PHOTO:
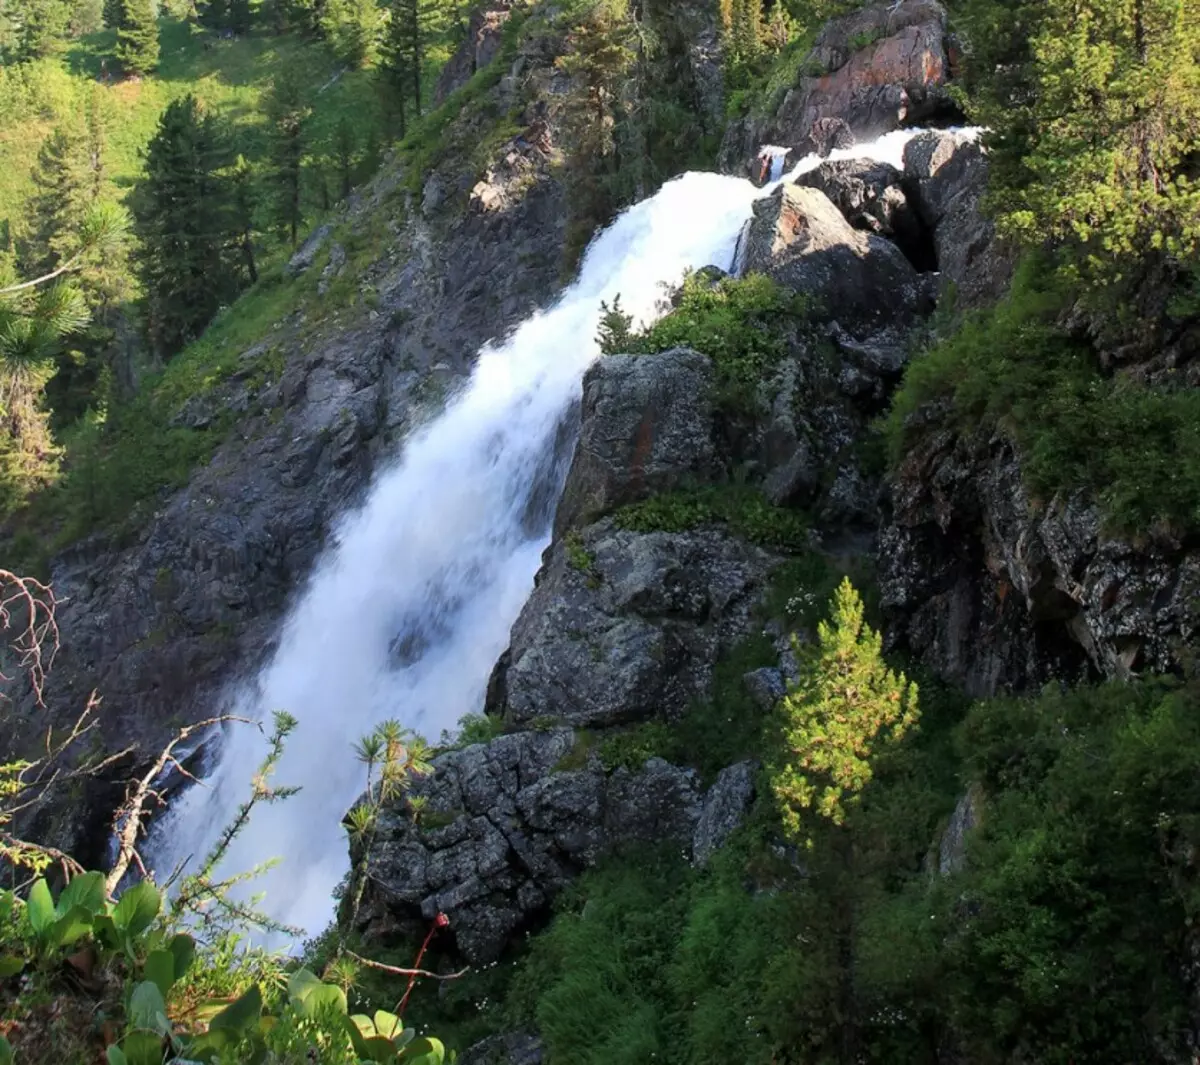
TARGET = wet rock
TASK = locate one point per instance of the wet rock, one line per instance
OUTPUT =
(725, 808)
(626, 626)
(864, 282)
(647, 427)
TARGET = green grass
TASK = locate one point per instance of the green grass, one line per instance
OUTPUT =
(230, 76)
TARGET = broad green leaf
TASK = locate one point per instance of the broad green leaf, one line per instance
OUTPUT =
(380, 1049)
(206, 1047)
(10, 965)
(424, 1051)
(86, 891)
(148, 1009)
(160, 970)
(143, 1048)
(387, 1024)
(6, 1052)
(310, 996)
(360, 1029)
(136, 909)
(240, 1016)
(69, 927)
(40, 907)
(116, 1056)
(183, 951)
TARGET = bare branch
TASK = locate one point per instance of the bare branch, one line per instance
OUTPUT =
(27, 609)
(127, 822)
(404, 972)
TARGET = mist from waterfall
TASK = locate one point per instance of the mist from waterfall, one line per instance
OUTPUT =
(440, 558)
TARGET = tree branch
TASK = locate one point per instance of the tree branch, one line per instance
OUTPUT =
(127, 822)
(405, 972)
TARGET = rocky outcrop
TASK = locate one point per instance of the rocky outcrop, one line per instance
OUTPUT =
(864, 282)
(647, 427)
(952, 849)
(998, 592)
(480, 44)
(873, 71)
(505, 826)
(871, 197)
(626, 626)
(946, 176)
(517, 1048)
(724, 809)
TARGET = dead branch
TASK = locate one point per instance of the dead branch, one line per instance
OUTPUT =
(27, 609)
(127, 822)
(404, 972)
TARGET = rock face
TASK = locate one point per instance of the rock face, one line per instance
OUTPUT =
(998, 593)
(625, 626)
(511, 832)
(872, 198)
(647, 427)
(868, 73)
(479, 47)
(946, 176)
(799, 238)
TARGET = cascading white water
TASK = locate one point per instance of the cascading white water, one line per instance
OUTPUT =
(440, 556)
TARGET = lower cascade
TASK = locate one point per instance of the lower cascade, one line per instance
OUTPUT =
(441, 556)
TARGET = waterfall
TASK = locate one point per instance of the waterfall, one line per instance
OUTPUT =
(440, 558)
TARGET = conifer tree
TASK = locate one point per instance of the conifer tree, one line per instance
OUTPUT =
(244, 204)
(288, 111)
(395, 71)
(240, 16)
(344, 149)
(181, 210)
(352, 29)
(214, 14)
(847, 707)
(137, 37)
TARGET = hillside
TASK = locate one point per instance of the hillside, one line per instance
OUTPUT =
(713, 623)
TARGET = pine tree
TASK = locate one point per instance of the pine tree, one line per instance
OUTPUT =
(244, 203)
(352, 29)
(288, 111)
(395, 70)
(846, 708)
(44, 27)
(214, 14)
(181, 210)
(112, 13)
(65, 190)
(344, 149)
(137, 37)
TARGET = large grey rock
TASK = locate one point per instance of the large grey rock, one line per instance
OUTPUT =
(862, 281)
(634, 633)
(871, 197)
(725, 808)
(505, 826)
(647, 427)
(999, 593)
(946, 174)
(478, 48)
(304, 256)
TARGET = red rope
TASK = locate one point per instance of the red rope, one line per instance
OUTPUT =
(440, 921)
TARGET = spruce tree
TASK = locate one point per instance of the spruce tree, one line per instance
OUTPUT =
(395, 70)
(244, 205)
(288, 111)
(846, 708)
(181, 211)
(240, 16)
(344, 150)
(137, 37)
(214, 14)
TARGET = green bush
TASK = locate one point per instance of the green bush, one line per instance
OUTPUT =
(745, 325)
(1133, 447)
(742, 508)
